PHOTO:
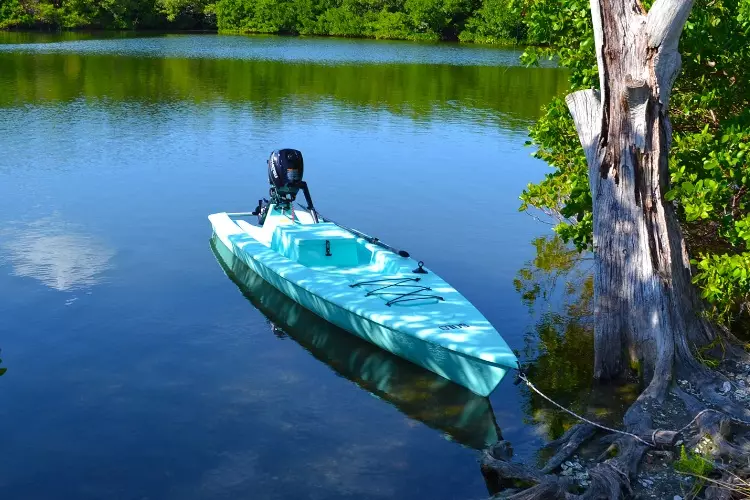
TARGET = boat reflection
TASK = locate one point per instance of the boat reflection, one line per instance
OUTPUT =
(459, 414)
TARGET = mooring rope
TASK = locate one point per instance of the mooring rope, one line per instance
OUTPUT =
(522, 376)
(528, 382)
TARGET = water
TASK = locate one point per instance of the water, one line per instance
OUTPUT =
(137, 369)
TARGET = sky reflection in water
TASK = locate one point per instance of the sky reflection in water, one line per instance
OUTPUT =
(160, 380)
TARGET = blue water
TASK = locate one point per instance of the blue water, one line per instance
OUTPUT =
(136, 369)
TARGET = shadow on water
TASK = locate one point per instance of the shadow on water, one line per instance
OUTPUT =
(557, 287)
(421, 395)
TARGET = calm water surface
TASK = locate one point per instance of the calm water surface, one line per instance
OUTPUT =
(138, 369)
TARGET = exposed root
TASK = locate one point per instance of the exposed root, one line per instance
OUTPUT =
(713, 431)
(610, 479)
(506, 474)
(550, 488)
(509, 470)
(573, 439)
(727, 487)
(607, 481)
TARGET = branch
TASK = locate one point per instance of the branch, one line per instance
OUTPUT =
(509, 470)
(586, 108)
(596, 18)
(665, 21)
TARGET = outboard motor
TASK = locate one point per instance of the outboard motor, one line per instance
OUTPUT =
(285, 170)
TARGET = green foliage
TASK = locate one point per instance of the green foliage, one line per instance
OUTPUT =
(709, 165)
(186, 14)
(109, 14)
(481, 21)
(495, 22)
(13, 13)
(693, 463)
(402, 19)
(392, 26)
(2, 369)
(724, 280)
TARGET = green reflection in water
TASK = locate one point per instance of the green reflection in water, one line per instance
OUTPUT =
(2, 369)
(415, 90)
(558, 288)
(8, 37)
(459, 414)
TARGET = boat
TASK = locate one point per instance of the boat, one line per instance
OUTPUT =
(457, 413)
(362, 285)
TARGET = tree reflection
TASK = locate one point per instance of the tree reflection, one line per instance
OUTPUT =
(557, 286)
(267, 87)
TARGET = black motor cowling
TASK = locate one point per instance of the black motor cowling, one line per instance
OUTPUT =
(285, 169)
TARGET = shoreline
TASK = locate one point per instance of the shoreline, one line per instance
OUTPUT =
(506, 44)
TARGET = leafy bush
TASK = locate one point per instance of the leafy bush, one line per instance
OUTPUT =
(495, 22)
(490, 22)
(710, 112)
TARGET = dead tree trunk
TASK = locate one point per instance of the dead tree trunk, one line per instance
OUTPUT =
(646, 310)
(645, 307)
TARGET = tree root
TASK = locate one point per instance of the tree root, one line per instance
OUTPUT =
(508, 474)
(612, 476)
(708, 383)
(717, 427)
(610, 479)
(568, 444)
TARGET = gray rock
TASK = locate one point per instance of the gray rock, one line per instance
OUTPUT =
(726, 387)
(677, 497)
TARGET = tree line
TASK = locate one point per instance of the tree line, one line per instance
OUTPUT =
(480, 21)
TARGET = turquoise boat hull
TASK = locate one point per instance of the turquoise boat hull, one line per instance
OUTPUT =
(457, 413)
(371, 292)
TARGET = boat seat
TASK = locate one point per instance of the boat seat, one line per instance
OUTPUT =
(309, 244)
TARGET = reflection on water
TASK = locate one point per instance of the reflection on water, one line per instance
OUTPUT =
(557, 286)
(188, 394)
(319, 50)
(421, 395)
(407, 85)
(56, 253)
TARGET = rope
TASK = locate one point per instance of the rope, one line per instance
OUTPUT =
(652, 444)
(696, 418)
(522, 376)
(415, 294)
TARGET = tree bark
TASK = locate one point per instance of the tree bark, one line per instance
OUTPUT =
(646, 310)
